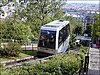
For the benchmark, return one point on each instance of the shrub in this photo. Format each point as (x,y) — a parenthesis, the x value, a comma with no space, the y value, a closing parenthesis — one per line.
(66,64)
(11,49)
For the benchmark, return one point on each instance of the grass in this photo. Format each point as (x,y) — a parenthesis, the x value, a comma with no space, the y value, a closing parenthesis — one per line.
(32,53)
(21,55)
(6,59)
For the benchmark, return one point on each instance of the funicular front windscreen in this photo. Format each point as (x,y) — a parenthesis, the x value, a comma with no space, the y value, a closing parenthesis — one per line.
(47,39)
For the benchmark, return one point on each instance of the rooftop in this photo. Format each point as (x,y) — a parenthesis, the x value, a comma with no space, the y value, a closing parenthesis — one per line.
(54,25)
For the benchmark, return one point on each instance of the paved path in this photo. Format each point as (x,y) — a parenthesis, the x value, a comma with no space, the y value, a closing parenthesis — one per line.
(94,62)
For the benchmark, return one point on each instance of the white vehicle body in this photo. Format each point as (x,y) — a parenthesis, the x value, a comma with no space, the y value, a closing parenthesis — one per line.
(54,37)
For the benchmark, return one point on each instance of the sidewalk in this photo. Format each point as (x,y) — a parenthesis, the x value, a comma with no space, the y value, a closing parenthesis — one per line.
(94,62)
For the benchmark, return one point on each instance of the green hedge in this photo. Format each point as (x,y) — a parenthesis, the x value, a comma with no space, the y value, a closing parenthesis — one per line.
(66,64)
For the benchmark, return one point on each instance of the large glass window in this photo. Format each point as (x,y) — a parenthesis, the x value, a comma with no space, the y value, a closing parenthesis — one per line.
(47,39)
(63,34)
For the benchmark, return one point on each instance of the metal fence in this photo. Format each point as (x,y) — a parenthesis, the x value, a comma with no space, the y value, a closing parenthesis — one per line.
(86,63)
(19,41)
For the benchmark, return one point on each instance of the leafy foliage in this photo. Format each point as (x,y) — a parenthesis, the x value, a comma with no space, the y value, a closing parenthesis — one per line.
(74,24)
(78,30)
(11,49)
(23,32)
(96,28)
(65,64)
(88,30)
(30,15)
(17,32)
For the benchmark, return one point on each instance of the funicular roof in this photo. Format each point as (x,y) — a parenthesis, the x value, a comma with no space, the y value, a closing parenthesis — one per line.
(55,25)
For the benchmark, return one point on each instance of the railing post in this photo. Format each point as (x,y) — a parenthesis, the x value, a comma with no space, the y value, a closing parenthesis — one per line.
(25,48)
(32,47)
(86,61)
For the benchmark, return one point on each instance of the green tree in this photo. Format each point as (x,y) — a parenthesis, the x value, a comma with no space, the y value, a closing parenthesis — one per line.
(73,23)
(42,9)
(88,30)
(76,27)
(34,14)
(3,29)
(78,30)
(39,12)
(22,32)
(96,29)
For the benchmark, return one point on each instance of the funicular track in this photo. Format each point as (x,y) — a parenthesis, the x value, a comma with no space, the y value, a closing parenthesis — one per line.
(40,57)
(35,60)
(32,59)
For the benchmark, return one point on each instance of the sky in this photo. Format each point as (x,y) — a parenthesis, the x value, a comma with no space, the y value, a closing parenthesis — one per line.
(84,1)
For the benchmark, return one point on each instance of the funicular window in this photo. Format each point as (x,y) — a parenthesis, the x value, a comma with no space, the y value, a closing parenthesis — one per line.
(68,30)
(63,34)
(60,36)
(47,39)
